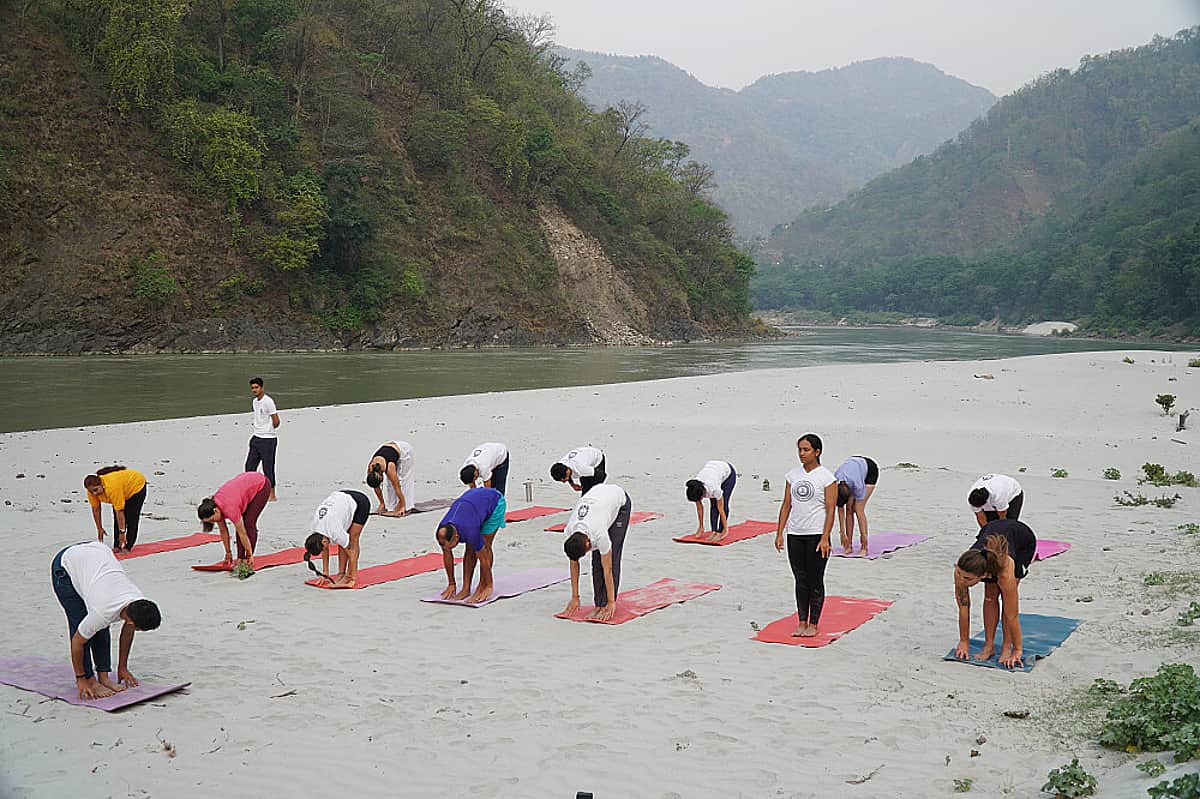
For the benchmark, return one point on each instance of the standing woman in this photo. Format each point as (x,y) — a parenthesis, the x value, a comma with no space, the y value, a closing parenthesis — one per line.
(125,490)
(241,501)
(809,499)
(714,482)
(857,478)
(393,462)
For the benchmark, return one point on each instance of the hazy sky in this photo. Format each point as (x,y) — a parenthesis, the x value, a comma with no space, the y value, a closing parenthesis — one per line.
(998,44)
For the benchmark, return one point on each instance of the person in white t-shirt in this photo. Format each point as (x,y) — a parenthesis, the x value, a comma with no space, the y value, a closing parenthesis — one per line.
(265,439)
(714,482)
(809,500)
(996,496)
(339,519)
(598,525)
(390,470)
(487,465)
(580,468)
(94,592)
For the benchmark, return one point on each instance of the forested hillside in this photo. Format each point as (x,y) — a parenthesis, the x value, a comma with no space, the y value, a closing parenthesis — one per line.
(257,174)
(1078,197)
(794,139)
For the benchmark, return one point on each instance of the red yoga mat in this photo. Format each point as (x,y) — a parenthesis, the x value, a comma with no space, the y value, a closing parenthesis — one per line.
(734,533)
(169,545)
(840,615)
(525,514)
(284,557)
(648,598)
(385,573)
(634,518)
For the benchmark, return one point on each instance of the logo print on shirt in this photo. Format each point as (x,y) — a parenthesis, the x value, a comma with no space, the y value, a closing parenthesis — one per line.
(322,511)
(583,511)
(476,453)
(804,491)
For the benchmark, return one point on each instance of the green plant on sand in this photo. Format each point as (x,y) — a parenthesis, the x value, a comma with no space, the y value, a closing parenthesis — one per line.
(1070,781)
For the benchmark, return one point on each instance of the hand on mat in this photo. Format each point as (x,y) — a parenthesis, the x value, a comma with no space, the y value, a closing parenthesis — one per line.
(450,591)
(228,561)
(126,679)
(963,650)
(823,547)
(1011,660)
(100,534)
(90,688)
(572,606)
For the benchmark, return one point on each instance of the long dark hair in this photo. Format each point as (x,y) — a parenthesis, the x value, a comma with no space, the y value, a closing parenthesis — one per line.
(988,562)
(814,441)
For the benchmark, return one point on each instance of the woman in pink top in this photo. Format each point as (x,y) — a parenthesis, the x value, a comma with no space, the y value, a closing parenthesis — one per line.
(241,501)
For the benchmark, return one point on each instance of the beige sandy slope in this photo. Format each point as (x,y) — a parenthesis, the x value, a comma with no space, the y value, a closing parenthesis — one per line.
(396,697)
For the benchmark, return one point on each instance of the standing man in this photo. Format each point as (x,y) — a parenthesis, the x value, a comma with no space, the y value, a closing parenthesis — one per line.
(598,525)
(265,439)
(95,592)
(580,468)
(487,464)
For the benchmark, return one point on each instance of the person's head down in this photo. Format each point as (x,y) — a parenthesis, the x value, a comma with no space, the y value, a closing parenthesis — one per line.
(987,563)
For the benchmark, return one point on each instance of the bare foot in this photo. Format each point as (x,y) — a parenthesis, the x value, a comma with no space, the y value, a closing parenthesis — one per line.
(811,632)
(801,630)
(461,595)
(480,596)
(344,584)
(986,653)
(109,684)
(449,591)
(862,553)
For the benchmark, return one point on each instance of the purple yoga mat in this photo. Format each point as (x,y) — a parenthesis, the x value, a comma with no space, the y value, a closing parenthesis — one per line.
(55,679)
(509,585)
(1047,548)
(879,544)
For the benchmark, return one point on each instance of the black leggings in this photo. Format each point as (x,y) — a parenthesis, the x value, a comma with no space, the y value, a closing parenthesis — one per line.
(1013,512)
(808,567)
(133,515)
(598,477)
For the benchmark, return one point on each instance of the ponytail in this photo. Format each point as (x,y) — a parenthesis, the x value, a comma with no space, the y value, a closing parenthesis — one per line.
(109,470)
(988,562)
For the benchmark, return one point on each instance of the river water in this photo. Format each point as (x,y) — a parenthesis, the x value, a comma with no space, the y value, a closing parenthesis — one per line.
(40,393)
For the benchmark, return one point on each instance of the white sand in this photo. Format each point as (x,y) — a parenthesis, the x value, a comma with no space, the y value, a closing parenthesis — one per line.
(400,698)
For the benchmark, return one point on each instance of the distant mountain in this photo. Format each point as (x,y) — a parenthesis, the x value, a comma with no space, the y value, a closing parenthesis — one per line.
(795,139)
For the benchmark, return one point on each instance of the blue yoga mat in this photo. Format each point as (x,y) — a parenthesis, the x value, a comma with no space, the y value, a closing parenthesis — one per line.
(1040,635)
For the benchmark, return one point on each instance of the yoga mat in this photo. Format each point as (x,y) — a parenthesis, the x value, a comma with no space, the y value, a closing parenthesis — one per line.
(840,615)
(879,544)
(169,545)
(525,514)
(648,598)
(1040,635)
(510,585)
(284,557)
(733,534)
(420,507)
(386,572)
(55,679)
(634,518)
(1048,549)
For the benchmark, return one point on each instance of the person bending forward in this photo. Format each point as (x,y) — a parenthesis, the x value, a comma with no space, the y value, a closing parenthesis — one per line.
(999,558)
(857,478)
(598,525)
(714,482)
(339,519)
(393,462)
(474,519)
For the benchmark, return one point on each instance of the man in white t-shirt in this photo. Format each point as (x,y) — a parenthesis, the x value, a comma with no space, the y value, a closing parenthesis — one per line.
(487,465)
(265,438)
(95,592)
(715,482)
(338,520)
(996,496)
(598,525)
(580,468)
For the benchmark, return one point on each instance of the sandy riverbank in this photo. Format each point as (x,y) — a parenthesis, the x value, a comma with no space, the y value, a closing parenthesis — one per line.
(390,696)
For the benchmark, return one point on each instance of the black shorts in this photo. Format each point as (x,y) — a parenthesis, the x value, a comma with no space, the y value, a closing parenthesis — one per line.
(872,477)
(363,506)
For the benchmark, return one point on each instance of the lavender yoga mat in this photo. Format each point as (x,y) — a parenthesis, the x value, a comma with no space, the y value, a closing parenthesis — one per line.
(879,544)
(510,585)
(55,679)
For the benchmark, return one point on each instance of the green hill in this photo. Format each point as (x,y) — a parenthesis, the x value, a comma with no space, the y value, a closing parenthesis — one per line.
(795,139)
(270,174)
(1076,198)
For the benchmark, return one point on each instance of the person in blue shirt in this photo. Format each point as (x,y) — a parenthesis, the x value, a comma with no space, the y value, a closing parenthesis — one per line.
(473,519)
(856,481)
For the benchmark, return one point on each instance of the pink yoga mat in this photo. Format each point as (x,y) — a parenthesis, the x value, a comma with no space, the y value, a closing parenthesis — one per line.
(648,598)
(525,514)
(284,557)
(55,679)
(840,615)
(735,533)
(1048,549)
(169,545)
(385,573)
(634,518)
(879,544)
(510,585)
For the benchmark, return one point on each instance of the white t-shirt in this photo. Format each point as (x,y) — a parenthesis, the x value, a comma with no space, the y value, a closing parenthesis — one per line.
(334,516)
(264,408)
(583,461)
(103,584)
(807,516)
(1002,490)
(595,513)
(486,457)
(712,474)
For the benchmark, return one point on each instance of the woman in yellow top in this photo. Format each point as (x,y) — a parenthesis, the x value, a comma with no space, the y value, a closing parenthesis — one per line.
(125,490)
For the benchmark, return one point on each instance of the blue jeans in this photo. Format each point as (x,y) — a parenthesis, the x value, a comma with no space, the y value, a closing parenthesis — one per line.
(99,647)
(714,515)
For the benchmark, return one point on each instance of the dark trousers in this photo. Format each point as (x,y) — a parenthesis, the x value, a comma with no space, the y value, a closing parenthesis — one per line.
(1013,512)
(598,477)
(262,450)
(250,521)
(133,515)
(99,647)
(808,568)
(500,476)
(714,515)
(617,534)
